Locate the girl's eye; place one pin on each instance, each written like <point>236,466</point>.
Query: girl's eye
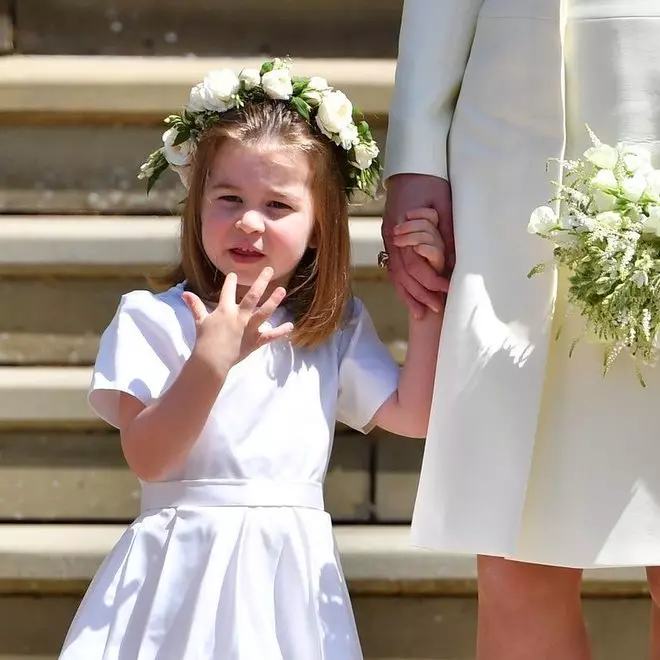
<point>233,199</point>
<point>279,205</point>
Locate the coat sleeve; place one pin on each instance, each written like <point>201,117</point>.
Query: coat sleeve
<point>434,45</point>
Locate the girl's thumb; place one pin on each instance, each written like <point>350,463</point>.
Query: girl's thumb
<point>196,306</point>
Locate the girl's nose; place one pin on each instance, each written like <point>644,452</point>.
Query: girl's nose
<point>250,222</point>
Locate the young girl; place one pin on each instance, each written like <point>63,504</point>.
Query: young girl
<point>226,387</point>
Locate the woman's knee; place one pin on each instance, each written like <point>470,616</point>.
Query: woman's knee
<point>517,585</point>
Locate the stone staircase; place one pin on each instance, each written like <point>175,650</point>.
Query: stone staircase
<point>84,86</point>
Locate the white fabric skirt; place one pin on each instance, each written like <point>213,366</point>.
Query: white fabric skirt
<point>202,577</point>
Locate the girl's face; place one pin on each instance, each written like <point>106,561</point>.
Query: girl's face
<point>257,211</point>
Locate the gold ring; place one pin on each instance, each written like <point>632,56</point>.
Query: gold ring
<point>383,258</point>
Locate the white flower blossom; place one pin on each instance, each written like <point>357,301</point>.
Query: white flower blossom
<point>316,87</point>
<point>196,102</point>
<point>604,201</point>
<point>635,157</point>
<point>542,220</point>
<point>653,184</point>
<point>605,180</point>
<point>365,152</point>
<point>219,90</point>
<point>335,112</point>
<point>146,171</point>
<point>603,156</point>
<point>250,78</point>
<point>277,84</point>
<point>348,136</point>
<point>652,223</point>
<point>633,188</point>
<point>176,155</point>
<point>609,219</point>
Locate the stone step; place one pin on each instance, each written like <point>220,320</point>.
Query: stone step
<point>362,28</point>
<point>98,118</point>
<point>409,603</point>
<point>80,475</point>
<point>94,244</point>
<point>63,277</point>
<point>62,88</point>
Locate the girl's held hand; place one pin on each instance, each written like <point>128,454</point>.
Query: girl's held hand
<point>233,330</point>
<point>421,233</point>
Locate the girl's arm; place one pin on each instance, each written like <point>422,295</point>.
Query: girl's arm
<point>407,411</point>
<point>158,437</point>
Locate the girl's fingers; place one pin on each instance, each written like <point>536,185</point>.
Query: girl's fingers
<point>424,214</point>
<point>272,334</point>
<point>268,308</point>
<point>228,292</point>
<point>196,306</point>
<point>432,254</point>
<point>415,238</point>
<point>410,226</point>
<point>253,296</point>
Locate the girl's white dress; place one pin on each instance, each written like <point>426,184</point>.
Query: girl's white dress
<point>233,556</point>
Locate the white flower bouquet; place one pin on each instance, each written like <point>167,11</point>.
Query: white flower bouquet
<point>607,235</point>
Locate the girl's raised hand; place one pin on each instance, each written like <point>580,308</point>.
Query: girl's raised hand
<point>233,330</point>
<point>421,233</point>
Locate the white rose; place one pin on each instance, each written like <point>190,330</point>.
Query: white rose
<point>219,90</point>
<point>605,180</point>
<point>314,90</point>
<point>653,184</point>
<point>542,220</point>
<point>348,136</point>
<point>609,219</point>
<point>196,102</point>
<point>250,78</point>
<point>335,112</point>
<point>652,223</point>
<point>602,156</point>
<point>179,154</point>
<point>634,187</point>
<point>277,84</point>
<point>604,201</point>
<point>365,152</point>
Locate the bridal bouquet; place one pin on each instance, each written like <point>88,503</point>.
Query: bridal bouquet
<point>607,235</point>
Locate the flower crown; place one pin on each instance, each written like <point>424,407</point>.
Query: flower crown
<point>318,103</point>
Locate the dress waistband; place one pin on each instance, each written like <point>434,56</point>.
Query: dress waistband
<point>231,492</point>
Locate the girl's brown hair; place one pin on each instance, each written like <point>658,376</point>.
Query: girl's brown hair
<point>320,286</point>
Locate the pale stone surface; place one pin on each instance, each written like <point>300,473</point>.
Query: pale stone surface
<point>92,168</point>
<point>83,476</point>
<point>85,305</point>
<point>157,86</point>
<point>438,628</point>
<point>207,27</point>
<point>398,462</point>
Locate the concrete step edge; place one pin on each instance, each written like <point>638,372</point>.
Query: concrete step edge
<point>370,553</point>
<point>63,241</point>
<point>136,85</point>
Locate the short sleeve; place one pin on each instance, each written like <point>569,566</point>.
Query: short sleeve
<point>368,374</point>
<point>141,353</point>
